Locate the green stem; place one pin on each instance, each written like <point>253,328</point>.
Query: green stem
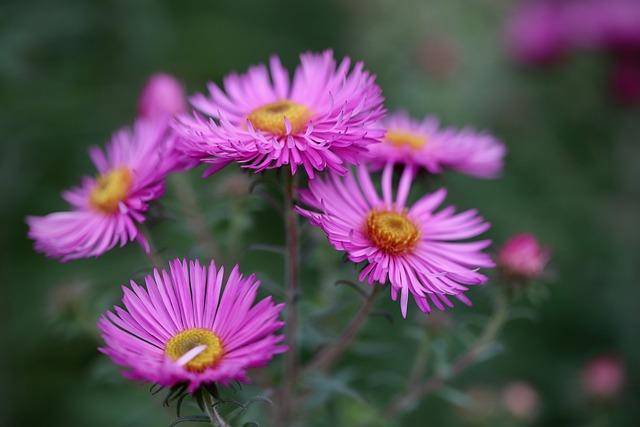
<point>291,356</point>
<point>210,409</point>
<point>331,353</point>
<point>418,391</point>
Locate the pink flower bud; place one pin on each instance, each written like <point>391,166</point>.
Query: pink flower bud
<point>521,400</point>
<point>603,377</point>
<point>162,97</point>
<point>522,257</point>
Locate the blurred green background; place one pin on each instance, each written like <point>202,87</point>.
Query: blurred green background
<point>70,74</point>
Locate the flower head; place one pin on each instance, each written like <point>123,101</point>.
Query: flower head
<point>324,118</point>
<point>425,144</point>
<point>603,377</point>
<point>522,257</point>
<point>187,327</point>
<point>162,97</point>
<point>415,248</point>
<point>106,210</point>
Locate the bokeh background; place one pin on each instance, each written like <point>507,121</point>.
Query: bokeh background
<point>70,74</point>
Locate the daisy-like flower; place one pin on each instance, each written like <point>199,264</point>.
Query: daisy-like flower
<point>324,118</point>
<point>187,328</point>
<point>415,248</point>
<point>425,144</point>
<point>106,210</point>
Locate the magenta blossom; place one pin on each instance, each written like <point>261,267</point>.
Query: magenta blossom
<point>162,97</point>
<point>187,327</point>
<point>603,377</point>
<point>324,118</point>
<point>106,210</point>
<point>522,257</point>
<point>418,250</point>
<point>425,144</point>
<point>536,32</point>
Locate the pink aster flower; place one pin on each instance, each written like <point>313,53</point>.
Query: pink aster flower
<point>522,257</point>
<point>418,250</point>
<point>425,144</point>
<point>187,327</point>
<point>106,210</point>
<point>324,118</point>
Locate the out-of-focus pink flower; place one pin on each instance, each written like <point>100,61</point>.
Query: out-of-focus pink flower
<point>535,32</point>
<point>522,257</point>
<point>521,400</point>
<point>162,97</point>
<point>603,377</point>
<point>625,80</point>
<point>425,144</point>
<point>540,31</point>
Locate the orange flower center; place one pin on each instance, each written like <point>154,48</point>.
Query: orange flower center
<point>209,344</point>
<point>110,189</point>
<point>270,117</point>
<point>405,139</point>
<point>392,232</point>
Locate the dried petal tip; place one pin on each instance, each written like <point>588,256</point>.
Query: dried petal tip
<point>522,257</point>
<point>162,97</point>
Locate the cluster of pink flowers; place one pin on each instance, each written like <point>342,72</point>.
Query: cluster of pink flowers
<point>544,31</point>
<point>184,326</point>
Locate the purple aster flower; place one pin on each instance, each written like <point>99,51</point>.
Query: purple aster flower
<point>106,210</point>
<point>324,118</point>
<point>425,144</point>
<point>418,250</point>
<point>186,327</point>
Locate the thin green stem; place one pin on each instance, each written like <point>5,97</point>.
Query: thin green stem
<point>419,390</point>
<point>291,356</point>
<point>210,409</point>
<point>331,353</point>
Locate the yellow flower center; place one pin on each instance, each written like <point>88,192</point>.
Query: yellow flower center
<point>211,348</point>
<point>405,139</point>
<point>110,189</point>
<point>392,232</point>
<point>270,117</point>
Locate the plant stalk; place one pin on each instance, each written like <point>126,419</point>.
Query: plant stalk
<point>331,353</point>
<point>211,411</point>
<point>419,390</point>
<point>291,356</point>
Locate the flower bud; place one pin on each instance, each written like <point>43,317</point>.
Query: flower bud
<point>603,377</point>
<point>522,257</point>
<point>162,97</point>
